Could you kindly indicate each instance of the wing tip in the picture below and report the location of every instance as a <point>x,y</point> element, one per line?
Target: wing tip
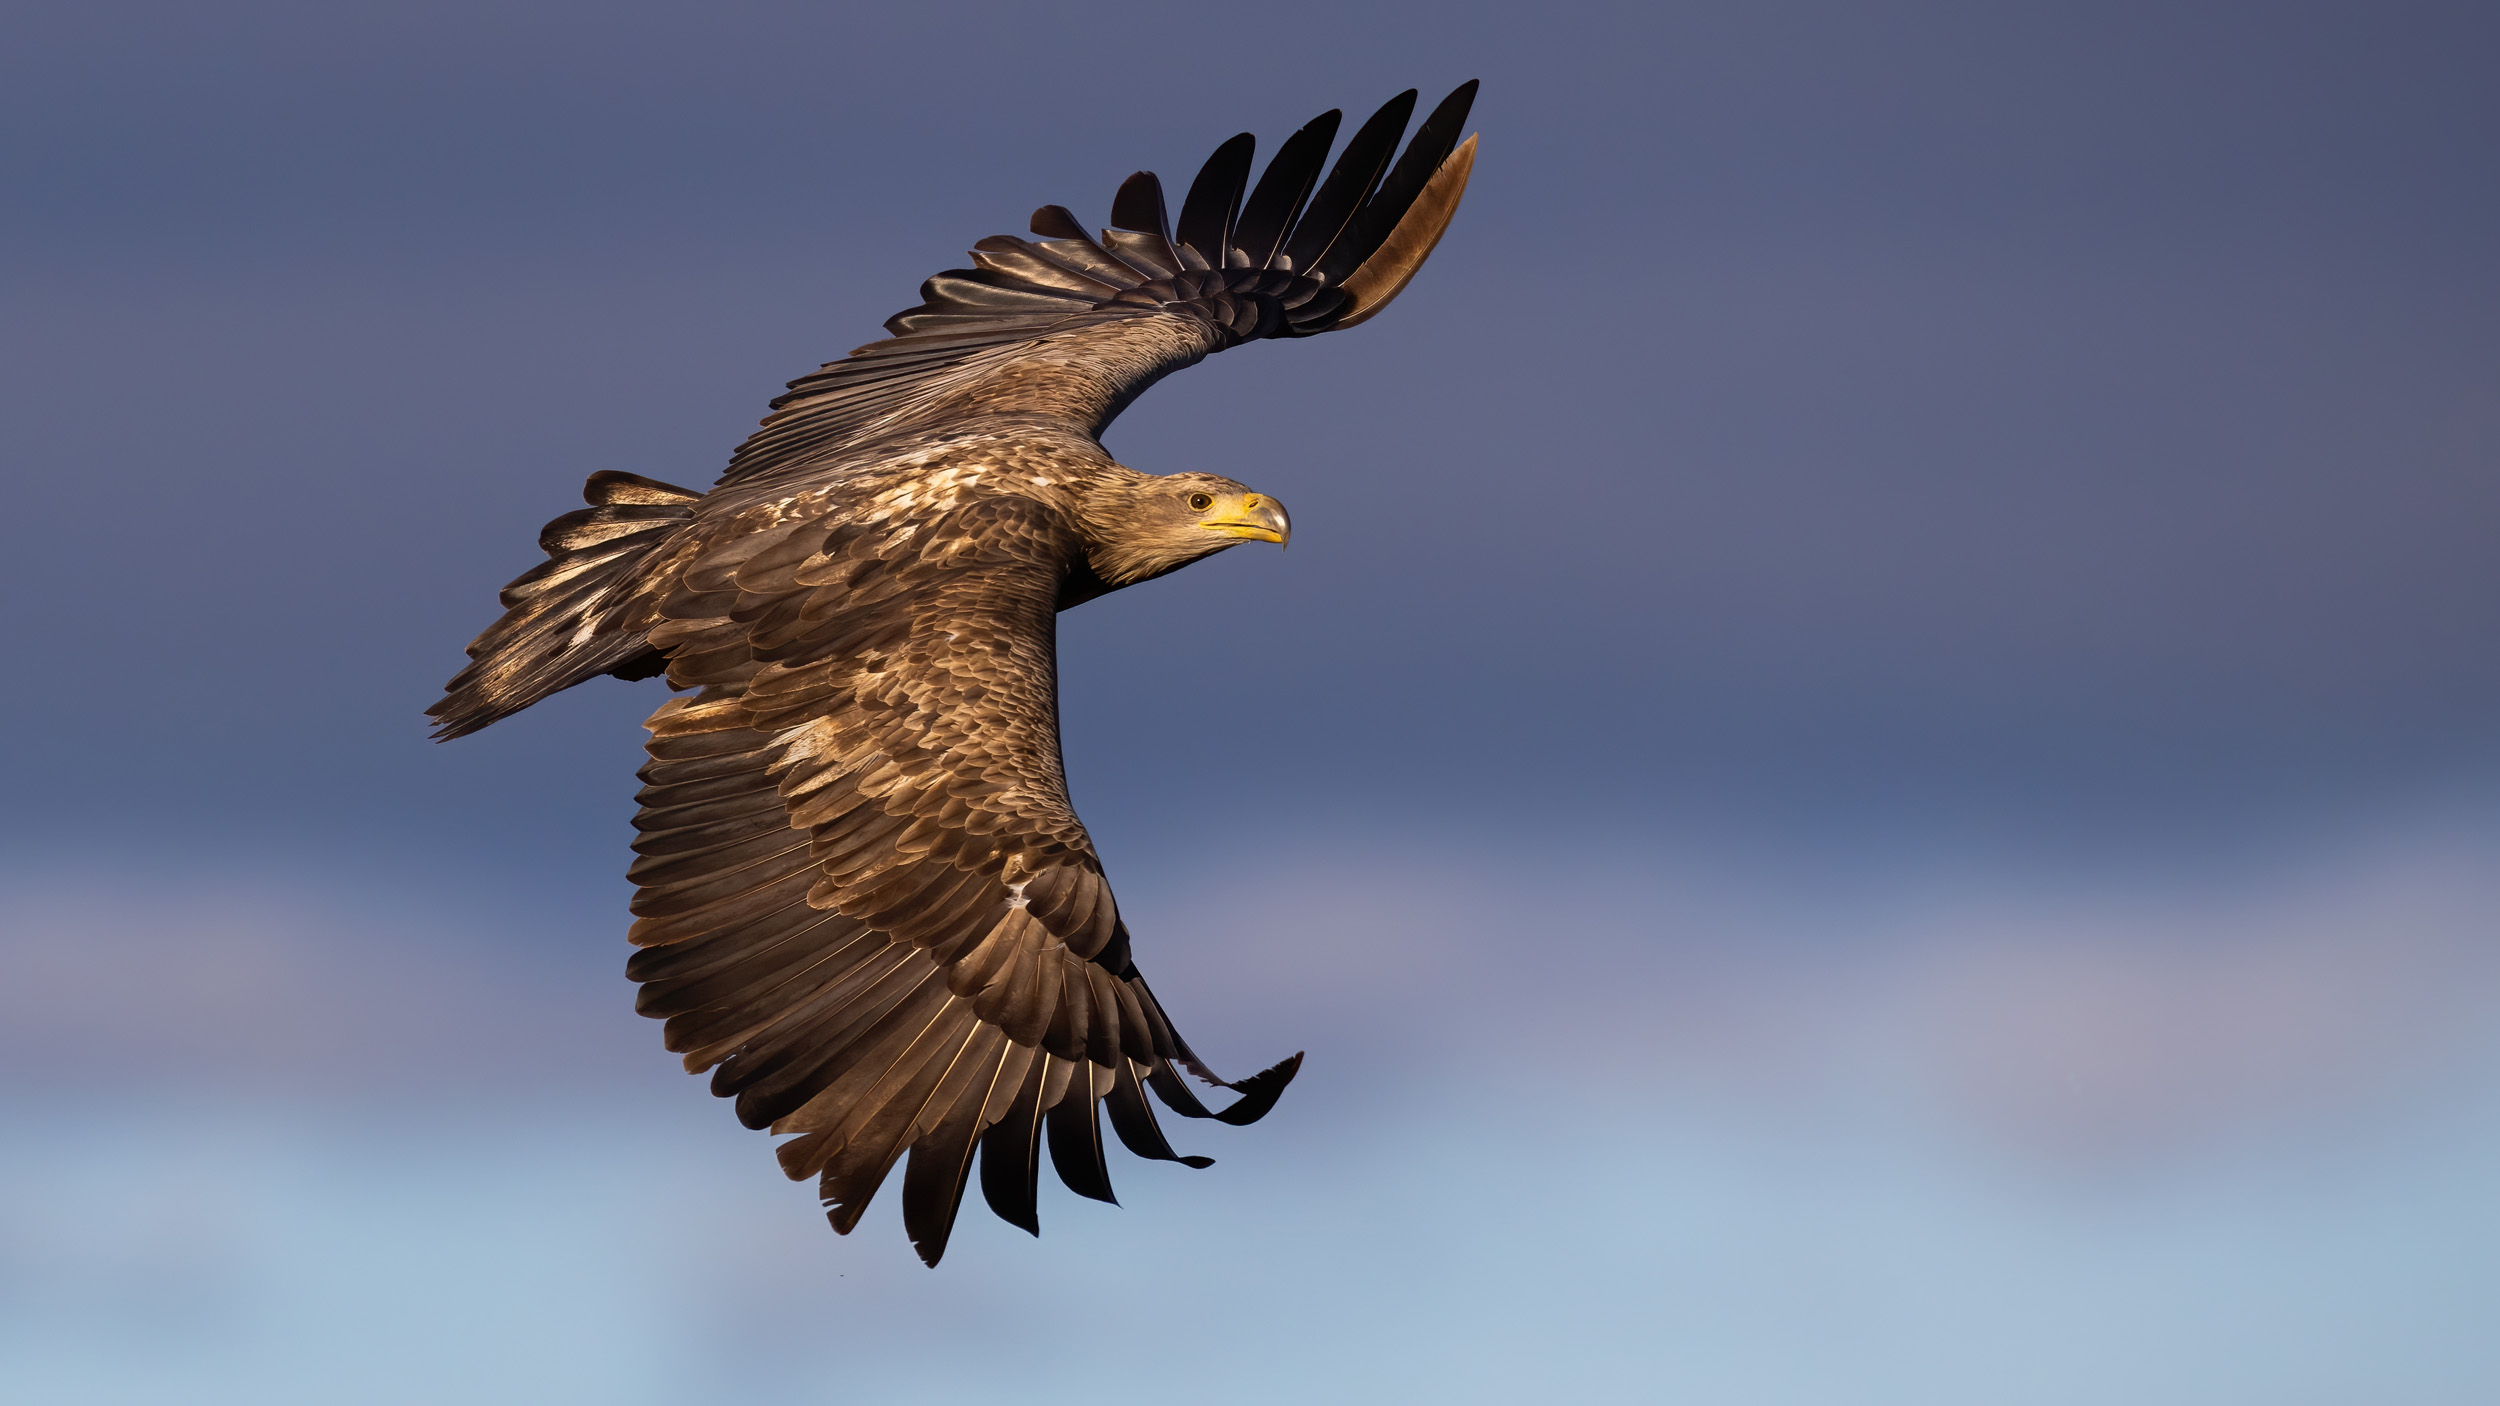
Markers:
<point>1260,1092</point>
<point>1380,278</point>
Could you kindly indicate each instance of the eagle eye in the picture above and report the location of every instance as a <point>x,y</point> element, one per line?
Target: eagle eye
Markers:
<point>1200,502</point>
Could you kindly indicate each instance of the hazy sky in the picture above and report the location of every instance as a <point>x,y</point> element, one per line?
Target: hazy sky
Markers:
<point>1911,593</point>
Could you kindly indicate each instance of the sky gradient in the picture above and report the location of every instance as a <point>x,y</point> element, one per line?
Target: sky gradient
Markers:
<point>1874,775</point>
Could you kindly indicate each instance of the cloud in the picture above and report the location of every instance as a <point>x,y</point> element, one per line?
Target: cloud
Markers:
<point>270,1121</point>
<point>2121,1020</point>
<point>2081,1013</point>
<point>2090,1012</point>
<point>288,984</point>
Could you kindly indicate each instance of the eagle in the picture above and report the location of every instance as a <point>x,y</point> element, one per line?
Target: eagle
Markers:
<point>863,901</point>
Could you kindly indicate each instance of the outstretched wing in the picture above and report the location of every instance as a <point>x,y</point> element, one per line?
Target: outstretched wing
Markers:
<point>1075,327</point>
<point>865,903</point>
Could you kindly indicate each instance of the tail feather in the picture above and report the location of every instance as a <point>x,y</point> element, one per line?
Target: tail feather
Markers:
<point>569,618</point>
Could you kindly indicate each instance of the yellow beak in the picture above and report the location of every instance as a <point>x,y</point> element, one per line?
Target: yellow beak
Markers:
<point>1250,515</point>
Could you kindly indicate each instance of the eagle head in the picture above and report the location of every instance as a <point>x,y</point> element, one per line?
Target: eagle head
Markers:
<point>1155,524</point>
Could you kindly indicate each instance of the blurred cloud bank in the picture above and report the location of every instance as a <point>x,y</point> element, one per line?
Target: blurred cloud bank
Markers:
<point>2082,1015</point>
<point>1616,1124</point>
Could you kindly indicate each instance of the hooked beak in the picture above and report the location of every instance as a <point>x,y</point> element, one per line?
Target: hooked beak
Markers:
<point>1254,516</point>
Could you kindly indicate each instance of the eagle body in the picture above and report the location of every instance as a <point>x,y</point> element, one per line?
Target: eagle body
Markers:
<point>864,902</point>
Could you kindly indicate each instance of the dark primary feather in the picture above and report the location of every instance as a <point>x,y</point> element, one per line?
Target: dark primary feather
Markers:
<point>1214,202</point>
<point>863,902</point>
<point>1268,215</point>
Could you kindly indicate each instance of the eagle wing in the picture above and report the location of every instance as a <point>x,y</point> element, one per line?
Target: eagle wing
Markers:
<point>1074,327</point>
<point>865,903</point>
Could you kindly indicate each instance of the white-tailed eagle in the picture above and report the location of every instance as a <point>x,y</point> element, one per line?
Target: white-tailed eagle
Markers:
<point>864,902</point>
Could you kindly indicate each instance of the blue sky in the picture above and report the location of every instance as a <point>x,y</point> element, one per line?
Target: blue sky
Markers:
<point>1872,776</point>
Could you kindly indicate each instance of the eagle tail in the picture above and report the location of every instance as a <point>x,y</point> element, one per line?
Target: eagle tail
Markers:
<point>570,618</point>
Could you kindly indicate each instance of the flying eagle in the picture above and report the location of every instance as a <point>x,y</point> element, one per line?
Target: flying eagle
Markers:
<point>864,901</point>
